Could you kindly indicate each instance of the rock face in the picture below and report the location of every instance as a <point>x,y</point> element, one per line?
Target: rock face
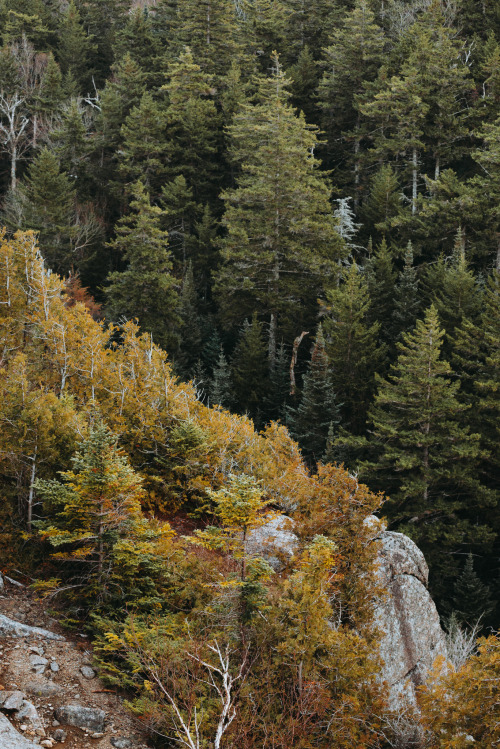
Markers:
<point>275,541</point>
<point>412,637</point>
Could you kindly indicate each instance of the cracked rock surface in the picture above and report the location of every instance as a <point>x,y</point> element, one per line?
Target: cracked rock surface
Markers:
<point>407,617</point>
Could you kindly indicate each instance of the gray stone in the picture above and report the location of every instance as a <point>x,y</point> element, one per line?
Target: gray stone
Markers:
<point>88,672</point>
<point>12,739</point>
<point>121,742</point>
<point>43,688</point>
<point>90,718</point>
<point>411,634</point>
<point>29,712</point>
<point>11,628</point>
<point>275,541</point>
<point>60,735</point>
<point>38,664</point>
<point>13,700</point>
<point>2,584</point>
<point>54,667</point>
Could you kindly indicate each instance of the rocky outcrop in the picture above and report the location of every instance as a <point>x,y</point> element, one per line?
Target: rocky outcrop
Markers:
<point>275,541</point>
<point>407,618</point>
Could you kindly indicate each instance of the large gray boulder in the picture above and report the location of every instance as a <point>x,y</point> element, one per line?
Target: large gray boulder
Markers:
<point>411,634</point>
<point>12,739</point>
<point>275,541</point>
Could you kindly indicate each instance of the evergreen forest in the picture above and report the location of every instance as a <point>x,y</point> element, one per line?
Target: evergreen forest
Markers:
<point>250,265</point>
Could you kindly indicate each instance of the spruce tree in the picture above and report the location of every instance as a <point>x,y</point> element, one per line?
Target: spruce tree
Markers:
<point>406,297</point>
<point>471,600</point>
<point>381,277</point>
<point>383,202</point>
<point>281,240</point>
<point>427,458</point>
<point>352,346</point>
<point>145,289</point>
<point>190,333</point>
<point>250,371</point>
<point>220,389</point>
<point>318,410</point>
<point>74,47</point>
<point>192,124</point>
<point>454,290</point>
<point>50,210</point>
<point>145,146</point>
<point>352,60</point>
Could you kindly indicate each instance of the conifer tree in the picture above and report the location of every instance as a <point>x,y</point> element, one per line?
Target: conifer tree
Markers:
<point>74,47</point>
<point>190,333</point>
<point>318,410</point>
<point>352,59</point>
<point>96,503</point>
<point>209,28</point>
<point>383,202</point>
<point>145,145</point>
<point>352,346</point>
<point>381,277</point>
<point>471,598</point>
<point>122,92</point>
<point>250,369</point>
<point>427,457</point>
<point>50,210</point>
<point>73,146</point>
<point>192,124</point>
<point>138,40</point>
<point>406,297</point>
<point>281,240</point>
<point>220,390</point>
<point>145,289</point>
<point>454,290</point>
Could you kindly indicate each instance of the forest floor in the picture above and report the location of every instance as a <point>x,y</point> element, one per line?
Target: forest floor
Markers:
<point>62,682</point>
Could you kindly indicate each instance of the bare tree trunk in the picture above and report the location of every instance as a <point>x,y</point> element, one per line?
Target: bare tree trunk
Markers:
<point>13,169</point>
<point>414,181</point>
<point>32,489</point>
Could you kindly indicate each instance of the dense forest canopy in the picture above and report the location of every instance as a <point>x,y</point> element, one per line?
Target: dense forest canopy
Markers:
<point>299,203</point>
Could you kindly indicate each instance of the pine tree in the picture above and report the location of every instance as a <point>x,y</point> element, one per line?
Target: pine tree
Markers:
<point>146,288</point>
<point>381,277</point>
<point>192,127</point>
<point>209,28</point>
<point>145,145</point>
<point>74,47</point>
<point>352,60</point>
<point>281,240</point>
<point>138,40</point>
<point>250,370</point>
<point>383,202</point>
<point>50,210</point>
<point>471,600</point>
<point>352,346</point>
<point>454,290</point>
<point>122,92</point>
<point>220,390</point>
<point>73,145</point>
<point>318,409</point>
<point>427,458</point>
<point>190,333</point>
<point>406,297</point>
<point>96,503</point>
